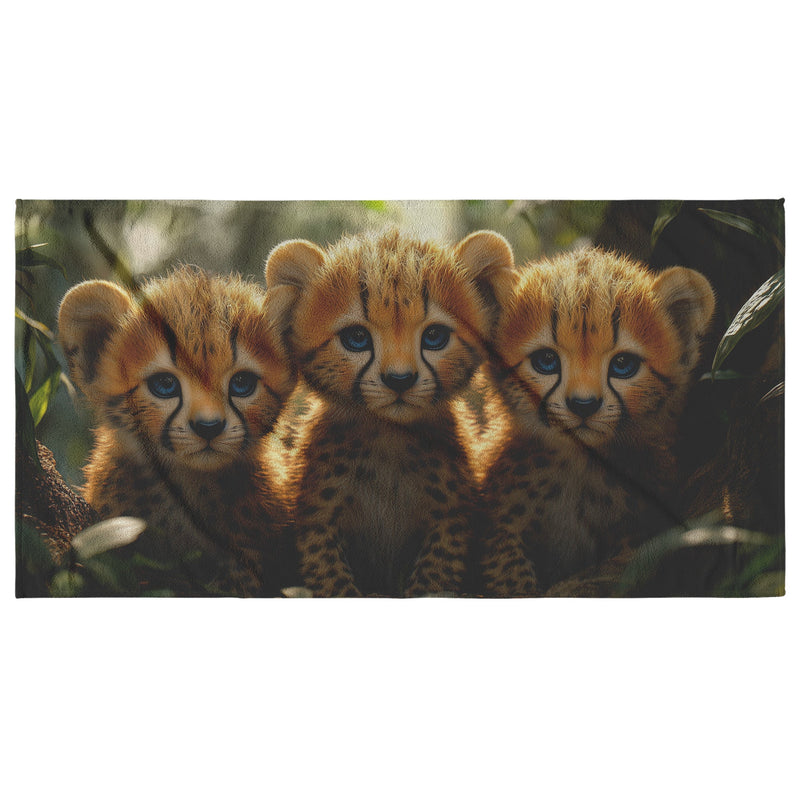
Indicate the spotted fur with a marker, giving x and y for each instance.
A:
(186, 377)
(387, 331)
(594, 358)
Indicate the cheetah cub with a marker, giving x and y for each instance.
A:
(386, 330)
(594, 359)
(186, 377)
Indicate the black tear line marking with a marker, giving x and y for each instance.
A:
(165, 442)
(356, 393)
(543, 403)
(438, 391)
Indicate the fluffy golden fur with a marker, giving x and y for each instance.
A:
(594, 356)
(386, 331)
(186, 376)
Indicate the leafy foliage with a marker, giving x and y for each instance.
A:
(668, 211)
(42, 371)
(744, 224)
(764, 301)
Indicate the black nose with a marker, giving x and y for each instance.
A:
(207, 428)
(400, 382)
(584, 407)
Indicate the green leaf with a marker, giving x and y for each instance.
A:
(723, 375)
(753, 563)
(22, 289)
(40, 399)
(705, 532)
(374, 205)
(114, 574)
(775, 391)
(769, 584)
(33, 323)
(744, 224)
(26, 436)
(107, 535)
(668, 210)
(30, 258)
(756, 310)
(66, 583)
(32, 552)
(29, 355)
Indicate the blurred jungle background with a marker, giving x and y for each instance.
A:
(732, 444)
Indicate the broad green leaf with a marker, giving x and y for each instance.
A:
(744, 224)
(26, 436)
(46, 346)
(668, 210)
(756, 310)
(40, 399)
(374, 205)
(107, 535)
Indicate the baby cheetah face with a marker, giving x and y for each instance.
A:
(187, 370)
(399, 358)
(387, 323)
(589, 384)
(201, 419)
(595, 348)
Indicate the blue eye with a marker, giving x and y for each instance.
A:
(546, 361)
(164, 385)
(356, 338)
(624, 365)
(243, 384)
(435, 337)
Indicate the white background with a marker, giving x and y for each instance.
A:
(384, 699)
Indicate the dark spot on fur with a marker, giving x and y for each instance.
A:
(437, 494)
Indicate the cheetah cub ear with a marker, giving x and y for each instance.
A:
(688, 299)
(489, 261)
(290, 267)
(88, 316)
